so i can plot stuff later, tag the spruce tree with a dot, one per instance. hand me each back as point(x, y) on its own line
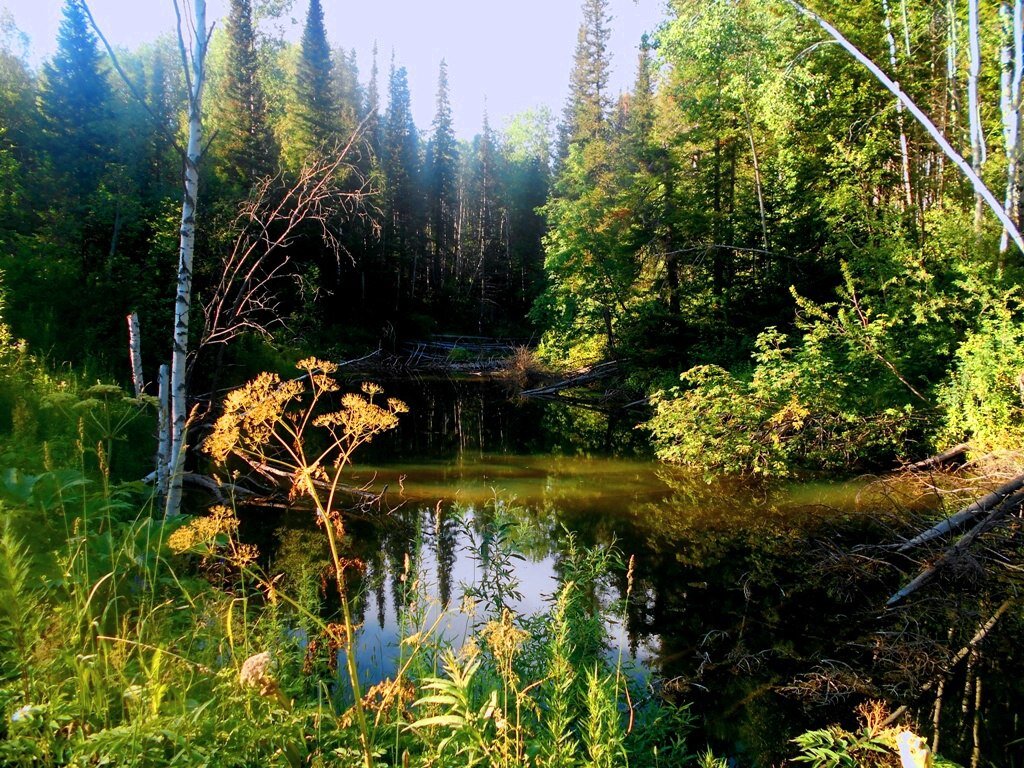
point(74, 99)
point(247, 150)
point(586, 109)
point(401, 168)
point(441, 189)
point(315, 118)
point(372, 115)
point(349, 92)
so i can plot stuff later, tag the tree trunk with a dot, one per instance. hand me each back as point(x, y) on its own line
point(1012, 61)
point(163, 451)
point(135, 352)
point(973, 109)
point(183, 298)
point(908, 191)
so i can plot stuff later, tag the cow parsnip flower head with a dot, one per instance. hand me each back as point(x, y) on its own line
point(202, 531)
point(250, 414)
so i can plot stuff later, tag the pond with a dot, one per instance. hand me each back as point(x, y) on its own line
point(760, 607)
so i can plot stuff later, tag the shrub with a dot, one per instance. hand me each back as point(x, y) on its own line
point(983, 401)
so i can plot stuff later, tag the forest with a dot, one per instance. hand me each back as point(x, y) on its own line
point(681, 428)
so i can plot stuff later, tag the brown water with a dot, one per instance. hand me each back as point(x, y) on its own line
point(761, 607)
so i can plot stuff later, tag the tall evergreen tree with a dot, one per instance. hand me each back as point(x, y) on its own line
point(315, 118)
point(586, 109)
point(402, 174)
point(74, 98)
point(247, 149)
point(372, 115)
point(350, 93)
point(442, 169)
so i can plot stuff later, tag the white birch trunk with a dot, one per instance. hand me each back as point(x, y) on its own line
point(183, 298)
point(973, 108)
point(908, 191)
point(1012, 61)
point(135, 352)
point(952, 96)
point(163, 450)
point(965, 168)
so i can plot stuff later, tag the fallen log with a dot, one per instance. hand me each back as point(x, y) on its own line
point(280, 477)
point(973, 510)
point(1008, 505)
point(578, 378)
point(952, 456)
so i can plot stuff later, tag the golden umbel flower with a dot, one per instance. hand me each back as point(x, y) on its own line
point(250, 414)
point(202, 531)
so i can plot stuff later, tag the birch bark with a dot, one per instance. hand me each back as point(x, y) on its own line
point(194, 63)
point(1012, 69)
point(973, 108)
point(135, 352)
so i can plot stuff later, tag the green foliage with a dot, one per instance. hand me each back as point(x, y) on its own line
point(245, 146)
point(984, 400)
point(800, 408)
point(836, 748)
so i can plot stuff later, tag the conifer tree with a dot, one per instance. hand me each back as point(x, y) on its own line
point(587, 106)
point(75, 101)
point(315, 118)
point(441, 190)
point(372, 115)
point(350, 94)
point(248, 150)
point(401, 169)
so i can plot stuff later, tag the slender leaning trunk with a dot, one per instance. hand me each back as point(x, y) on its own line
point(1012, 69)
point(183, 298)
point(973, 108)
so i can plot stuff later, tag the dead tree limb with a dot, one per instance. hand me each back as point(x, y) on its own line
point(998, 512)
point(244, 299)
point(951, 456)
point(973, 510)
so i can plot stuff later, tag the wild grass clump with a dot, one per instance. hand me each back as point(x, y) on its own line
point(524, 367)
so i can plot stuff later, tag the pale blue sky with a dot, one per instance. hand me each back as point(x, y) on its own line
point(516, 54)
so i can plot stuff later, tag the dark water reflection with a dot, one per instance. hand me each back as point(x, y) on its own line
point(748, 602)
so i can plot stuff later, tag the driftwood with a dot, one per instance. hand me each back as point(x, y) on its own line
point(576, 379)
point(953, 456)
point(972, 511)
point(460, 354)
point(279, 478)
point(1000, 510)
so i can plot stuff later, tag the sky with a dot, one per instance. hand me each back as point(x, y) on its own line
point(509, 56)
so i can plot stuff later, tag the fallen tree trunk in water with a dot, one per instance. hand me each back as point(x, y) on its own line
point(1003, 508)
point(576, 379)
point(954, 455)
point(973, 510)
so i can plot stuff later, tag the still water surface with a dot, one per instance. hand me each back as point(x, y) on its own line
point(744, 599)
